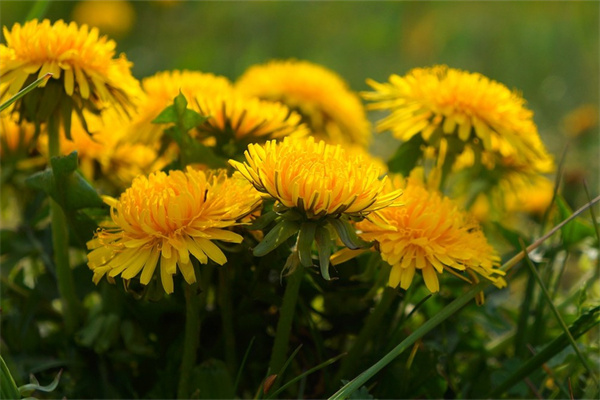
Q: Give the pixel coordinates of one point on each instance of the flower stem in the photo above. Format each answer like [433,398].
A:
[227,317]
[284,325]
[191,339]
[369,328]
[60,242]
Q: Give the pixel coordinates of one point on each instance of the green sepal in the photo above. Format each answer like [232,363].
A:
[65,185]
[324,247]
[263,221]
[276,236]
[305,239]
[347,234]
[8,387]
[27,390]
[407,155]
[51,98]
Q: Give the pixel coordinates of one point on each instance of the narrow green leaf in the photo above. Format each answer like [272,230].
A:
[24,91]
[38,10]
[242,365]
[347,234]
[8,387]
[407,156]
[583,324]
[276,236]
[306,236]
[324,247]
[305,373]
[27,390]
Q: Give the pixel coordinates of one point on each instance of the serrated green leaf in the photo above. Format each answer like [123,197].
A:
[276,236]
[407,155]
[347,234]
[65,185]
[191,119]
[180,103]
[166,116]
[305,239]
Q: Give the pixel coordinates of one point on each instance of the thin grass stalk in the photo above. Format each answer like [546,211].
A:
[445,313]
[284,325]
[562,323]
[522,332]
[366,333]
[60,243]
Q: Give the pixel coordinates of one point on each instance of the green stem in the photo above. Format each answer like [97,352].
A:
[191,339]
[227,317]
[60,242]
[284,325]
[370,327]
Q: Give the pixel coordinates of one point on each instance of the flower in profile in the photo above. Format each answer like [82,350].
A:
[85,74]
[514,193]
[332,111]
[318,188]
[431,234]
[167,220]
[159,91]
[442,104]
[236,120]
[317,179]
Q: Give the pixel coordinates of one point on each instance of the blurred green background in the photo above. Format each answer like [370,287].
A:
[549,51]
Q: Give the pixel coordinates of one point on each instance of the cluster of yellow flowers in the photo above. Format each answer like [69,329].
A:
[304,135]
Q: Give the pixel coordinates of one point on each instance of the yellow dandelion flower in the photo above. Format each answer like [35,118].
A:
[431,235]
[159,91]
[85,74]
[236,120]
[332,111]
[114,17]
[514,193]
[167,219]
[318,179]
[439,102]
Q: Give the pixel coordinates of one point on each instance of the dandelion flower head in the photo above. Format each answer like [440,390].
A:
[332,111]
[431,235]
[165,220]
[318,179]
[476,110]
[82,63]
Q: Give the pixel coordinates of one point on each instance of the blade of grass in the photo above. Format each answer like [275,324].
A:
[24,91]
[242,365]
[522,323]
[538,278]
[445,313]
[595,224]
[583,324]
[306,373]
